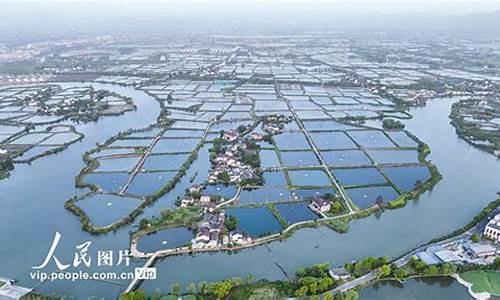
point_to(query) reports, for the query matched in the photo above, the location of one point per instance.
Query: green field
(483, 281)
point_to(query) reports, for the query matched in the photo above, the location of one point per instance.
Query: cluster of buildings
(459, 252)
(275, 124)
(228, 165)
(212, 233)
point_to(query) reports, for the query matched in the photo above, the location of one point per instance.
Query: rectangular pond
(108, 181)
(345, 158)
(309, 178)
(402, 139)
(164, 161)
(165, 239)
(255, 221)
(147, 183)
(175, 145)
(299, 158)
(393, 156)
(264, 194)
(296, 212)
(358, 176)
(366, 197)
(406, 178)
(332, 140)
(294, 140)
(268, 158)
(118, 164)
(371, 139)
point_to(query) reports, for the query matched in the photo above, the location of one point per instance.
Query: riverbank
(480, 284)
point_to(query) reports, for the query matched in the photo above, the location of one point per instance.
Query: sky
(263, 15)
(341, 6)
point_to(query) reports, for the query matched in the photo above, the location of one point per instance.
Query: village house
(205, 200)
(187, 201)
(196, 188)
(320, 205)
(230, 135)
(255, 136)
(339, 273)
(492, 229)
(239, 237)
(209, 229)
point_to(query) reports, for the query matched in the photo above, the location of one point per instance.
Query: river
(33, 209)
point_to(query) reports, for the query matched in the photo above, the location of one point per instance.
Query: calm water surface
(33, 209)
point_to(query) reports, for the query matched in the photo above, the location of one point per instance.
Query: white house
(492, 229)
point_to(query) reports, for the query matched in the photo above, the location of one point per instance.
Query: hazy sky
(263, 15)
(341, 6)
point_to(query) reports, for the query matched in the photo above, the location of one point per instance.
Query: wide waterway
(33, 209)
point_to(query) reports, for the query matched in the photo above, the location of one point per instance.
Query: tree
(204, 288)
(143, 224)
(166, 213)
(432, 270)
(224, 177)
(135, 295)
(248, 279)
(351, 295)
(336, 207)
(385, 270)
(497, 261)
(222, 289)
(231, 223)
(392, 124)
(328, 296)
(175, 289)
(325, 283)
(475, 238)
(449, 269)
(301, 292)
(191, 289)
(400, 273)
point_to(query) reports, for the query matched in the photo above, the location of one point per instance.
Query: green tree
(449, 269)
(222, 289)
(432, 270)
(336, 207)
(143, 224)
(385, 270)
(166, 213)
(475, 238)
(301, 292)
(191, 289)
(175, 289)
(400, 273)
(328, 296)
(231, 223)
(248, 279)
(135, 295)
